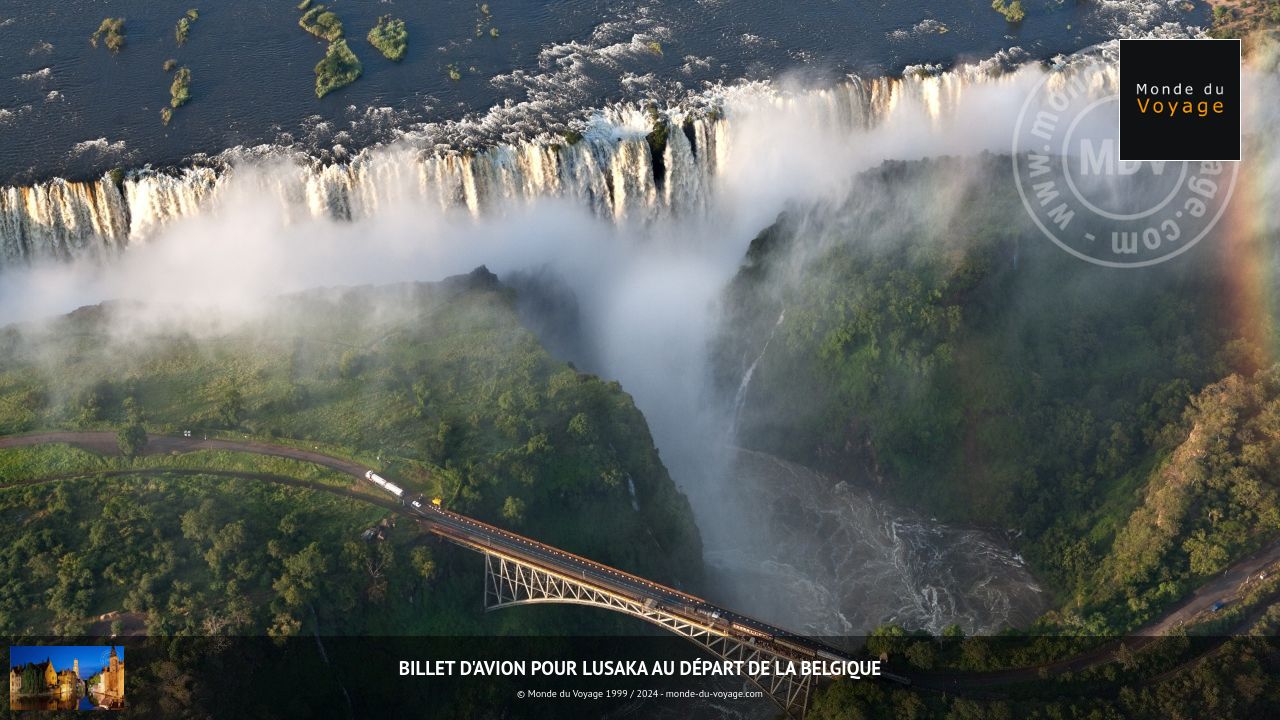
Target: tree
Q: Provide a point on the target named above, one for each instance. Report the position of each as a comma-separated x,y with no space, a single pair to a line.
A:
298,397
338,68
390,37
302,571
284,625
132,410
349,364
180,88
34,400
422,396
1012,12
922,654
612,477
1206,557
1125,656
111,31
886,641
580,427
447,441
423,562
513,510
94,403
227,544
132,439
231,407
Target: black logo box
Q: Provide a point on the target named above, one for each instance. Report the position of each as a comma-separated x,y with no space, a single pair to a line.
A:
1195,63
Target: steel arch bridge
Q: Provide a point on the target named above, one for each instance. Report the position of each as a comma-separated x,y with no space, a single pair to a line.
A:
510,582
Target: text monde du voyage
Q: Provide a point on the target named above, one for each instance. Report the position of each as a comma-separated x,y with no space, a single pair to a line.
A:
853,669
1179,99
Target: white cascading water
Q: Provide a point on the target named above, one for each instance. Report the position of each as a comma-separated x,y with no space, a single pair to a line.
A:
611,169
740,398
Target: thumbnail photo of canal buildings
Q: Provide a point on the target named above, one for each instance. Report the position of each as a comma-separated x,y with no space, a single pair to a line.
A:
66,677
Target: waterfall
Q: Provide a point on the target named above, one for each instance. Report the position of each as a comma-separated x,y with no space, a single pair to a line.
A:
740,398
610,167
631,488
61,220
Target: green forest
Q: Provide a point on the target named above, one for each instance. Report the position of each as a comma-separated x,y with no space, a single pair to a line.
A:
437,386
921,338
978,370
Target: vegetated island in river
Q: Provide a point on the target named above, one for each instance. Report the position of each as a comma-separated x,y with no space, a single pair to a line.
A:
1012,11
322,23
111,32
390,37
179,93
339,67
183,29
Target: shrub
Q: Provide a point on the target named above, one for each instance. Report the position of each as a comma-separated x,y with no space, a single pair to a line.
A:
132,439
1012,12
390,37
180,90
339,67
111,32
183,28
321,23
513,510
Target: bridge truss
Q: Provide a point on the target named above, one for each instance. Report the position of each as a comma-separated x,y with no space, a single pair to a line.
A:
510,581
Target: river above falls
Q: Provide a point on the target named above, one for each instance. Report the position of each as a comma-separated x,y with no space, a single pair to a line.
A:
469,76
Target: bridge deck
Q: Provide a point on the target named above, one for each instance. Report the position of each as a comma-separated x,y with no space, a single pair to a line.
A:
483,537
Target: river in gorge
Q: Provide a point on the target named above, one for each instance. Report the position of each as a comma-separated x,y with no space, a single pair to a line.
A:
840,561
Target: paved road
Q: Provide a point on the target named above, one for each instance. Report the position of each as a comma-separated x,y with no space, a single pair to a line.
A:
198,472
1227,585
1223,587
105,443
